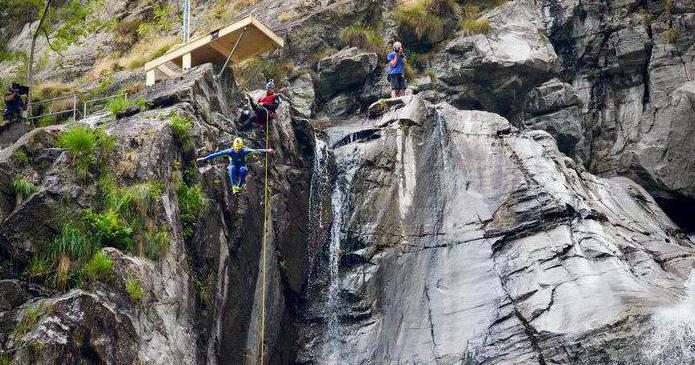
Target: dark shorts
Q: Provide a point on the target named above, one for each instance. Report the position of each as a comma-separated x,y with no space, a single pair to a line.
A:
397,81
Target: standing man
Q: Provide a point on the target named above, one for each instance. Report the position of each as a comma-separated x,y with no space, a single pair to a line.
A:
395,68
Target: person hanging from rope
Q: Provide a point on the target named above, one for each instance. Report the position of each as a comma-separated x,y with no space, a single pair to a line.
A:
237,162
264,109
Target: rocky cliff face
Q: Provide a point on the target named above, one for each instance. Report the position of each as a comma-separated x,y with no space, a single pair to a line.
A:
460,239
510,212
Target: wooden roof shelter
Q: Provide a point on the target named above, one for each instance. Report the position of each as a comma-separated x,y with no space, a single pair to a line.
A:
236,42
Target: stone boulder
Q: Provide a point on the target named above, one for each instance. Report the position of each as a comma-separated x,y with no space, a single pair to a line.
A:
301,95
346,70
340,107
494,71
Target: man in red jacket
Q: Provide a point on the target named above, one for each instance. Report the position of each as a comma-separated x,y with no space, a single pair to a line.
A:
265,107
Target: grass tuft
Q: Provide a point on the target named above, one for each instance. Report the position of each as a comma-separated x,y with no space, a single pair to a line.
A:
192,204
99,267
671,35
80,143
181,127
30,318
471,24
157,242
109,229
134,290
23,187
364,37
21,157
118,105
419,19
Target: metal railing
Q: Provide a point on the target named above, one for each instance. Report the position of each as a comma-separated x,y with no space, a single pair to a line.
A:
87,106
73,110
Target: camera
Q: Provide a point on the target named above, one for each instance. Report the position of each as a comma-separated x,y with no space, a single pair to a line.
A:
21,89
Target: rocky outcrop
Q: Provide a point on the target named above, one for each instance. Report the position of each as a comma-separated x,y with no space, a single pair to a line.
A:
201,299
494,71
344,71
488,247
555,108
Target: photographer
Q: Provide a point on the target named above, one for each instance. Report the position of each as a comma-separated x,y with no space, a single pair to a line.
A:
395,68
14,103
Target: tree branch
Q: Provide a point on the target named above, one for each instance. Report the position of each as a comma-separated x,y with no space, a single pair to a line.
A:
48,40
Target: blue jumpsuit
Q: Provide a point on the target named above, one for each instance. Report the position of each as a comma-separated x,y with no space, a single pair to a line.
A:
237,163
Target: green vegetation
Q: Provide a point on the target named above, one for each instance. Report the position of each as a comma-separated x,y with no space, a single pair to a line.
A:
47,120
593,74
99,268
5,359
118,105
671,35
134,290
109,229
364,37
318,56
192,203
82,143
181,127
21,157
421,18
471,24
157,242
23,187
163,19
66,252
38,266
30,318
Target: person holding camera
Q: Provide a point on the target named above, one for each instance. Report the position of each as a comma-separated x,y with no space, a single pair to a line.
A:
395,69
14,103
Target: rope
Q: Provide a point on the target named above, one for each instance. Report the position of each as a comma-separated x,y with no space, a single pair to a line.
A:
265,239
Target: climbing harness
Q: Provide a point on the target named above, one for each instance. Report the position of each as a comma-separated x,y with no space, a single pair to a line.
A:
265,241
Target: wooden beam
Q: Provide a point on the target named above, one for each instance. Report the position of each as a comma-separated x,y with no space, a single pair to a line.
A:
179,52
221,48
186,61
151,78
167,70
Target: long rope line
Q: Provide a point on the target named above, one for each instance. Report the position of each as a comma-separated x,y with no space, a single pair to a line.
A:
265,239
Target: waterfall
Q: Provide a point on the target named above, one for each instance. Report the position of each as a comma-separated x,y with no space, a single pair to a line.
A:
347,167
671,341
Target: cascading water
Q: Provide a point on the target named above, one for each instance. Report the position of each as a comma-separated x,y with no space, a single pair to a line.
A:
339,207
673,330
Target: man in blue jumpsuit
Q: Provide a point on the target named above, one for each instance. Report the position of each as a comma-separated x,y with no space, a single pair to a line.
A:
237,162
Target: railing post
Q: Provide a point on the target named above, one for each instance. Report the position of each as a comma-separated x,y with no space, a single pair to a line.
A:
74,107
84,108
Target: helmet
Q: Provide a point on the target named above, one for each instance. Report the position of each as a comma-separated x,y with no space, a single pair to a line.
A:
238,143
270,84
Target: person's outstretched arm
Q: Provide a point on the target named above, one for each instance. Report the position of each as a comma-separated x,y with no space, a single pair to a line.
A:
257,151
226,152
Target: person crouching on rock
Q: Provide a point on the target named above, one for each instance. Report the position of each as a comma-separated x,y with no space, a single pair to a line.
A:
265,107
396,70
237,162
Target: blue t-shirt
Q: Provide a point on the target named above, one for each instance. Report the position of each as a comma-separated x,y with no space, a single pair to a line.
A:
399,65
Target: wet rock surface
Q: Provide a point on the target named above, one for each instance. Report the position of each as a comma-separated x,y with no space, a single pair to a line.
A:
488,247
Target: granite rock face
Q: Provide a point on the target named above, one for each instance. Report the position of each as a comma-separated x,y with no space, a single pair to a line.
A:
488,247
201,299
494,71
